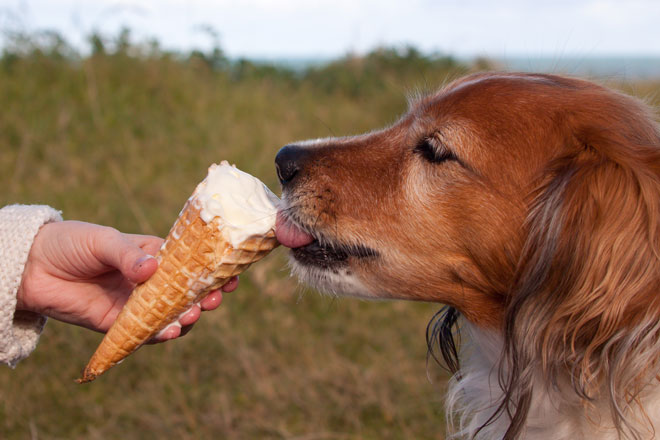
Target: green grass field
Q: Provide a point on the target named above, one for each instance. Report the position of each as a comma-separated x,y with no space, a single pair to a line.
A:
121,138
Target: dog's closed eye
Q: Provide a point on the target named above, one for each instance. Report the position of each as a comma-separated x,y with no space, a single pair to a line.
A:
434,150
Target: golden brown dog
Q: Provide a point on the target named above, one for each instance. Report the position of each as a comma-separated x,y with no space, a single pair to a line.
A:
530,205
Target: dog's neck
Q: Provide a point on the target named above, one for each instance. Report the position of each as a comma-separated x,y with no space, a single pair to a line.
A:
475,393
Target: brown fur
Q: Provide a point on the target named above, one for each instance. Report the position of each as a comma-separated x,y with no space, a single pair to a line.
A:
544,228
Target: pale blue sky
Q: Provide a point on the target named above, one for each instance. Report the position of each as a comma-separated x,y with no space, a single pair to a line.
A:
321,28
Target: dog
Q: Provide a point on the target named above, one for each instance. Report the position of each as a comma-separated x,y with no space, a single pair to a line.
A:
529,205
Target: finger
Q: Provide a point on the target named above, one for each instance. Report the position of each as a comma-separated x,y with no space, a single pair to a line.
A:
116,250
231,285
171,332
149,243
212,301
144,267
191,316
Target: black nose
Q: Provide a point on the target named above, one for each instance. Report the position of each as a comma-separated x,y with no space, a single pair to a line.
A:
289,162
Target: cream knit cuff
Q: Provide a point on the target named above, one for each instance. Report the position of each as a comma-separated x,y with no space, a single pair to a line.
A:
19,330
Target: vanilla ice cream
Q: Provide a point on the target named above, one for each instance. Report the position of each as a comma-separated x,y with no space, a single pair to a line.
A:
245,205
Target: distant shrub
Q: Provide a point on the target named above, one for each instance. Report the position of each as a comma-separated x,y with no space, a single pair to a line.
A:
353,75
359,75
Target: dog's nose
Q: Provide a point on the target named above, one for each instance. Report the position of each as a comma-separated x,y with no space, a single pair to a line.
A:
289,161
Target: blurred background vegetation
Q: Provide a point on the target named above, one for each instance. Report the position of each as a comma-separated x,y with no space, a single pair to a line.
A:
120,136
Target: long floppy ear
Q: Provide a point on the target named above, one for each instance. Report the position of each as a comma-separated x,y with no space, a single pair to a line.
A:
585,310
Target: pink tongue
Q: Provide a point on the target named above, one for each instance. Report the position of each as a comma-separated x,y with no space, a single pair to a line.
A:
289,234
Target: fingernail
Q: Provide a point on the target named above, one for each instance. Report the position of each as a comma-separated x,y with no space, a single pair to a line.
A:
140,261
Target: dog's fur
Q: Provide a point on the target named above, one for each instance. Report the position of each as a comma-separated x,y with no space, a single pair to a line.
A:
530,205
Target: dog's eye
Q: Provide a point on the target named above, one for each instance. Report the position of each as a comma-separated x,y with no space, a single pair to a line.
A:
434,150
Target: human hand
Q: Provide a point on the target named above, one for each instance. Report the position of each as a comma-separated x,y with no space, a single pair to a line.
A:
82,273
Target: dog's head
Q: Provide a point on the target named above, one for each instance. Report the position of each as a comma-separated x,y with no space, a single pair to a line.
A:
437,207
528,202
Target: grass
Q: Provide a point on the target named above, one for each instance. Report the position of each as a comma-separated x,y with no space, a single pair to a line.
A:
121,138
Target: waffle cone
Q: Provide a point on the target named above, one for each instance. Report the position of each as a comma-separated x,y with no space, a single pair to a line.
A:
195,259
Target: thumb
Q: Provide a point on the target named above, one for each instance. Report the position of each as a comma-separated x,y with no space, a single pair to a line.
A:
116,250
142,268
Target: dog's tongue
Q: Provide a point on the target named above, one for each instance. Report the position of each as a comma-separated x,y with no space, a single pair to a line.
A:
289,234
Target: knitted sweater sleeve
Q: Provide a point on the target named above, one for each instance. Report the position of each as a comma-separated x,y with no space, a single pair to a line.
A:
19,330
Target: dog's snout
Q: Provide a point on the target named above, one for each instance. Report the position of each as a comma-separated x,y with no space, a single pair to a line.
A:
289,162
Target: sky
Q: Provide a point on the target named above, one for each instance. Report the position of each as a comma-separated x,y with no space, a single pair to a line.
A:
330,28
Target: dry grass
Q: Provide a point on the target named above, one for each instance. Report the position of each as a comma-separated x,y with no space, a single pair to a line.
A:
122,140
267,365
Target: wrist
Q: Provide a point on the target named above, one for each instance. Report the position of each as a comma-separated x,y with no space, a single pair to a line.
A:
25,295
20,303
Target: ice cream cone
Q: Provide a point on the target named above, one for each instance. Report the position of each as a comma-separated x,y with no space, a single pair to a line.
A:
196,258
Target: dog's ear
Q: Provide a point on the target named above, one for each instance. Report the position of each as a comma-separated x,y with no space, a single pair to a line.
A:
585,307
